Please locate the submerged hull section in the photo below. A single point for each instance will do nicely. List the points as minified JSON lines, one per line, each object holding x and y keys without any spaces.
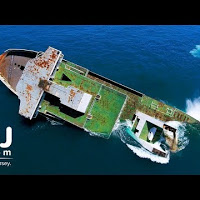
{"x":49,"y":85}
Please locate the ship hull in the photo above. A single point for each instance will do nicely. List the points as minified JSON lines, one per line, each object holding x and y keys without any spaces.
{"x":60,"y":89}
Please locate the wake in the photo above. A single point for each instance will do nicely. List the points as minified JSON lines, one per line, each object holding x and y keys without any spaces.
{"x":123,"y":131}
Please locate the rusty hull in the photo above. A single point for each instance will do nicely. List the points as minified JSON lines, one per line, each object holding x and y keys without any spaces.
{"x":11,"y":69}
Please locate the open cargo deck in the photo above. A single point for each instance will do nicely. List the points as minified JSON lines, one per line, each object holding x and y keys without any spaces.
{"x":103,"y":110}
{"x":110,"y":101}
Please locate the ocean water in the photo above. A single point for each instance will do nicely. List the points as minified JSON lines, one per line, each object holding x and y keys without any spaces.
{"x":160,"y":61}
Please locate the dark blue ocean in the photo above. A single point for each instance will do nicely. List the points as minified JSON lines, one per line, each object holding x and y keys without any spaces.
{"x":160,"y":61}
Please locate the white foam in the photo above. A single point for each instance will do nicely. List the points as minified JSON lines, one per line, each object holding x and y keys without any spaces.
{"x":196,"y":52}
{"x":54,"y":123}
{"x":193,"y":107}
{"x":142,"y":153}
{"x":182,"y":139}
{"x":174,"y":124}
{"x":129,"y":123}
{"x":116,"y":126}
{"x":95,"y":134}
{"x":134,"y":144}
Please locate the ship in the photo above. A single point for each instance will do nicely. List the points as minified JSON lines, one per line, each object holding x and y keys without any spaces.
{"x":49,"y":85}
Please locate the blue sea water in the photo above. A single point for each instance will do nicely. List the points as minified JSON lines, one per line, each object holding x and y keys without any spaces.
{"x":160,"y":61}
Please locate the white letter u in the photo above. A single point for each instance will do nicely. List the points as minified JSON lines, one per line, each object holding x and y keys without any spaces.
{"x":8,"y":138}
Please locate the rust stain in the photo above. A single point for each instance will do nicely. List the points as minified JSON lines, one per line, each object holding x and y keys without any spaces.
{"x":42,"y":63}
{"x":2,"y":56}
{"x":45,"y":63}
{"x":71,"y":95}
{"x":53,"y":55}
{"x":28,"y":97}
{"x":28,"y":90}
{"x":26,"y":110}
{"x":29,"y":87}
{"x":3,"y":67}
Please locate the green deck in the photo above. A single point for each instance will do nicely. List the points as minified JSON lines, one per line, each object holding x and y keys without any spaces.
{"x":146,"y":129}
{"x":115,"y":102}
{"x":77,"y":80}
{"x":104,"y":111}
